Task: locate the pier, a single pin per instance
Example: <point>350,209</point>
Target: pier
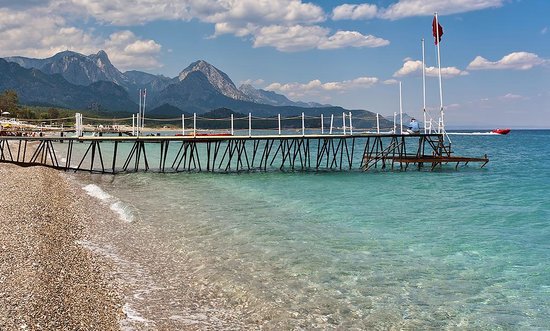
<point>112,154</point>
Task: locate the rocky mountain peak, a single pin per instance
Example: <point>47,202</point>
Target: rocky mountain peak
<point>76,68</point>
<point>219,80</point>
<point>247,88</point>
<point>102,55</point>
<point>101,59</point>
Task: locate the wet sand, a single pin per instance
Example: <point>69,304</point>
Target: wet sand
<point>48,279</point>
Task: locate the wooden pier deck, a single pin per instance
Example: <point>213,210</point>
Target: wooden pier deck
<point>437,160</point>
<point>229,153</point>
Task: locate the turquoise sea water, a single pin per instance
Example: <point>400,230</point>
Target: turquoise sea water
<point>466,249</point>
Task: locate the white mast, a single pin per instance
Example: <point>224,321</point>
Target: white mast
<point>400,109</point>
<point>424,84</point>
<point>143,117</point>
<point>442,125</point>
<point>138,123</point>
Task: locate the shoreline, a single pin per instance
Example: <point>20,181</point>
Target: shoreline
<point>70,261</point>
<point>159,289</point>
<point>49,280</point>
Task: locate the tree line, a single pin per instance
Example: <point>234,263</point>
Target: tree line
<point>10,107</point>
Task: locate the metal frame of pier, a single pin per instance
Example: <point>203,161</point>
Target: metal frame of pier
<point>115,154</point>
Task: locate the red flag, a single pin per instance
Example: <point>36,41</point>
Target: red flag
<point>437,31</point>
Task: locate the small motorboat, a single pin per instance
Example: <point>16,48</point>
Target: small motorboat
<point>501,131</point>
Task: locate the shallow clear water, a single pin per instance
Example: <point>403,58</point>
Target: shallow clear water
<point>467,249</point>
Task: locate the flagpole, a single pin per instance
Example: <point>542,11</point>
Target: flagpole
<point>442,126</point>
<point>424,83</point>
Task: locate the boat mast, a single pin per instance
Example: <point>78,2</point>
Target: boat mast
<point>424,84</point>
<point>442,112</point>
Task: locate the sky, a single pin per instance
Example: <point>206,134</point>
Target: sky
<point>495,54</point>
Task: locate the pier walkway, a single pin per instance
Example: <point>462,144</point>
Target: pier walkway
<point>113,154</point>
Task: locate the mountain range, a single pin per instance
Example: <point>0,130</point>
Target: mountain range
<point>72,80</point>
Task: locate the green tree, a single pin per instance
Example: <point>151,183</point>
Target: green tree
<point>9,101</point>
<point>53,113</point>
<point>24,113</point>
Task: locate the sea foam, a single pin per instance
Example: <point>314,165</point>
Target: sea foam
<point>96,192</point>
<point>123,210</point>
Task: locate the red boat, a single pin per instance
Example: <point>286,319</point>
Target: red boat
<point>501,131</point>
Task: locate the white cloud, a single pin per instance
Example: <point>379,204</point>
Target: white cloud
<point>316,87</point>
<point>352,39</point>
<point>411,67</point>
<point>49,34</point>
<point>127,12</point>
<point>452,106</point>
<point>408,8</point>
<point>287,25</point>
<point>544,30</point>
<point>235,29</point>
<point>390,82</point>
<point>126,51</point>
<point>516,61</point>
<point>354,12</point>
<point>46,35</point>
<point>299,38</point>
<point>511,96</point>
<point>294,38</point>
<point>258,12</point>
<point>231,12</point>
<point>253,82</point>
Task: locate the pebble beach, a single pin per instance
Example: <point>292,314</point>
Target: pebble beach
<point>68,262</point>
<point>48,279</point>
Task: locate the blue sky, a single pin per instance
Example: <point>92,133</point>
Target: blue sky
<point>495,53</point>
